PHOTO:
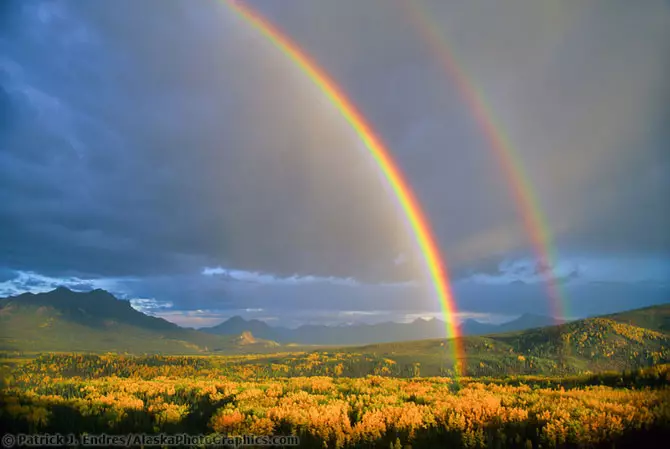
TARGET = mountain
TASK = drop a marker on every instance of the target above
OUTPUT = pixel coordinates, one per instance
(527, 321)
(474, 327)
(94, 308)
(237, 325)
(355, 334)
(96, 321)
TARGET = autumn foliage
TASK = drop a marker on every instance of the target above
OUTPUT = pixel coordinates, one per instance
(114, 394)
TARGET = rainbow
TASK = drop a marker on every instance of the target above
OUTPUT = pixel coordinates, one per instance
(512, 166)
(381, 156)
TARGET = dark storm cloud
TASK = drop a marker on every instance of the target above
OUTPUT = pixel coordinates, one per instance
(141, 142)
(7, 275)
(160, 152)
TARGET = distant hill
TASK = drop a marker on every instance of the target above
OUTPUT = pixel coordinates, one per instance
(63, 320)
(419, 329)
(592, 344)
(654, 317)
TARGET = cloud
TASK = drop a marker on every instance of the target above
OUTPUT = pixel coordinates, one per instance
(527, 271)
(133, 156)
(149, 305)
(304, 175)
(207, 271)
(13, 283)
(263, 278)
(585, 122)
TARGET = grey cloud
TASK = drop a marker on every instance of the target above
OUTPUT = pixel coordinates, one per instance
(7, 274)
(586, 121)
(175, 159)
(145, 145)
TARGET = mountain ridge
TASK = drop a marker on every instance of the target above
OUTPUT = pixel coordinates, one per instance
(363, 333)
(65, 320)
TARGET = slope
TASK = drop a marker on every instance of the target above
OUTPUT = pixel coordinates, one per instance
(593, 344)
(655, 317)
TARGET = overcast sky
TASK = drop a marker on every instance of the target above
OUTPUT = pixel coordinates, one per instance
(165, 151)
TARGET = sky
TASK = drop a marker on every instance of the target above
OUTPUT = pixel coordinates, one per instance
(164, 151)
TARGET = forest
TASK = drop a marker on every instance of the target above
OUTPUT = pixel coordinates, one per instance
(313, 396)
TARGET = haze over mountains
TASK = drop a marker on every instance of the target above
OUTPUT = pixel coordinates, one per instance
(100, 310)
(99, 315)
(353, 334)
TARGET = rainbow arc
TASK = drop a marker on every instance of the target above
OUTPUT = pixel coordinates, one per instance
(508, 158)
(407, 201)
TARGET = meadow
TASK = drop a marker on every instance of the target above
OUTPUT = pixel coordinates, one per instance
(315, 396)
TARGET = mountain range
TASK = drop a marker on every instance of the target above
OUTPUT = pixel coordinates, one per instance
(95, 321)
(356, 334)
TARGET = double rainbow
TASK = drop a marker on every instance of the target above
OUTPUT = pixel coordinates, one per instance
(508, 158)
(381, 156)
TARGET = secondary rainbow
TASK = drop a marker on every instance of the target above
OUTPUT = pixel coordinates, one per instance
(408, 203)
(512, 166)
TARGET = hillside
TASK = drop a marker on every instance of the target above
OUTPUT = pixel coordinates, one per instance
(593, 344)
(63, 320)
(655, 317)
